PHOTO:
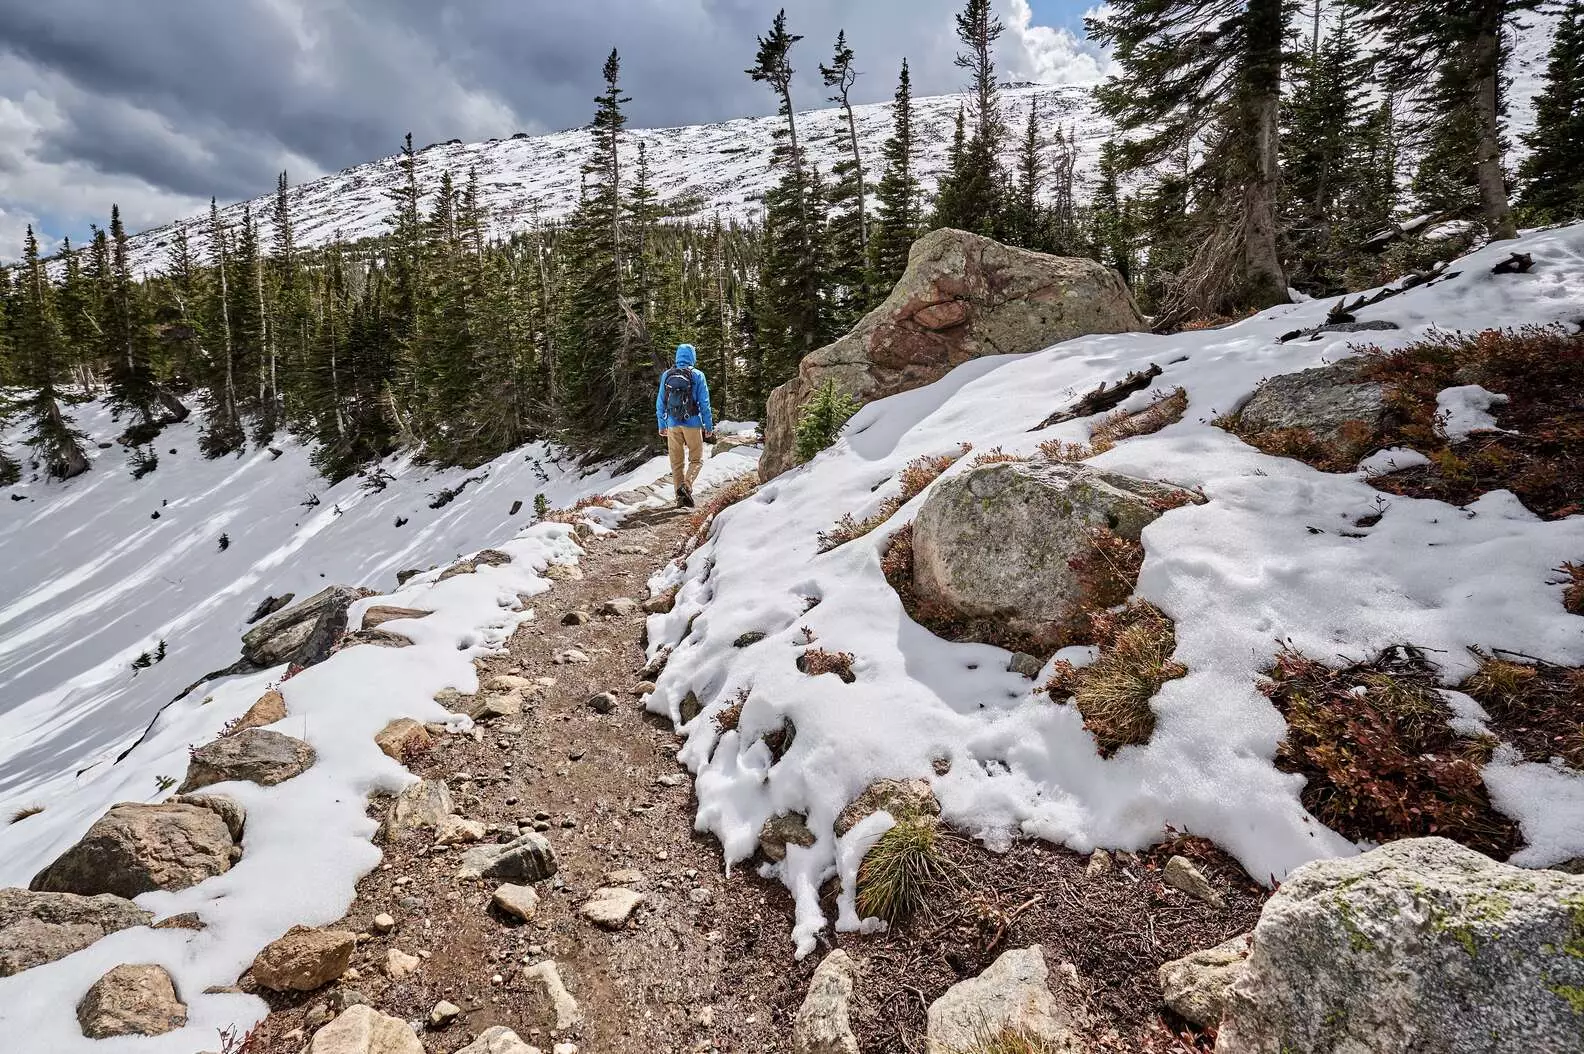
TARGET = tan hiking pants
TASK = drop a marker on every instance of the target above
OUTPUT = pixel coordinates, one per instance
(681, 440)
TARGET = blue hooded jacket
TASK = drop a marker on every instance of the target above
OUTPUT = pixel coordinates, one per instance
(686, 356)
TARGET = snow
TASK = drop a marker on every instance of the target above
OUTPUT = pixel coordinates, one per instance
(1465, 409)
(1274, 556)
(89, 581)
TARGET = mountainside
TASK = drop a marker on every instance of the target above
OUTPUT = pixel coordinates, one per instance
(725, 166)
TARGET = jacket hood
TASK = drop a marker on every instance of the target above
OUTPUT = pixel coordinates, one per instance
(685, 355)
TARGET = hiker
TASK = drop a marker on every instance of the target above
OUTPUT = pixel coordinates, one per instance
(683, 409)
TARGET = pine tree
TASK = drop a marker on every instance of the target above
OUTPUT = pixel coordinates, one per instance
(848, 197)
(970, 196)
(134, 390)
(1207, 73)
(41, 356)
(1026, 224)
(223, 432)
(1112, 242)
(1552, 176)
(898, 193)
(1448, 55)
(289, 335)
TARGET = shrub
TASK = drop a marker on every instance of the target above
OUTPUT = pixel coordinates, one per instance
(143, 461)
(995, 457)
(729, 718)
(904, 870)
(1113, 693)
(816, 661)
(1010, 1041)
(23, 813)
(720, 499)
(1536, 707)
(1573, 595)
(1381, 762)
(821, 419)
(912, 481)
(541, 506)
(1167, 408)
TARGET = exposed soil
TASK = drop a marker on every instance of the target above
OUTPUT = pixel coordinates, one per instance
(706, 962)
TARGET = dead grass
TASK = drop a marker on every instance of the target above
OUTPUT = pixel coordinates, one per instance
(1536, 707)
(1573, 595)
(996, 456)
(816, 661)
(919, 474)
(23, 813)
(1167, 408)
(1381, 762)
(1010, 1041)
(571, 514)
(729, 718)
(905, 871)
(720, 499)
(1113, 693)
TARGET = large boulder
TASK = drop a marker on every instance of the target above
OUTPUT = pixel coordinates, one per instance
(1419, 946)
(136, 848)
(1010, 999)
(304, 633)
(255, 755)
(131, 1000)
(996, 542)
(39, 928)
(961, 297)
(1321, 401)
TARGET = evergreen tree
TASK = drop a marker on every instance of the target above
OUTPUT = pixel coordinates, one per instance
(1552, 176)
(1207, 74)
(898, 193)
(1448, 55)
(134, 390)
(970, 196)
(41, 357)
(223, 432)
(848, 197)
(1112, 241)
(1026, 224)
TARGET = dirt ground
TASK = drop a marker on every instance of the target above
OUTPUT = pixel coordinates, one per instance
(706, 963)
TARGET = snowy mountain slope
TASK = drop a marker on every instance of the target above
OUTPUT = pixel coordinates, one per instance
(1264, 560)
(527, 181)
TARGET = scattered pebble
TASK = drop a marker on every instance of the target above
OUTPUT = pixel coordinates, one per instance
(384, 923)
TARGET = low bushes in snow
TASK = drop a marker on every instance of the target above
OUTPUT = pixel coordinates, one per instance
(1113, 693)
(1537, 708)
(1167, 408)
(919, 474)
(1573, 595)
(905, 870)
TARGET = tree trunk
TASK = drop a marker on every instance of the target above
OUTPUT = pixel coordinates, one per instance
(1485, 77)
(1264, 282)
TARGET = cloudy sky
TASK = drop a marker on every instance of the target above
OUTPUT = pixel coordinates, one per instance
(158, 104)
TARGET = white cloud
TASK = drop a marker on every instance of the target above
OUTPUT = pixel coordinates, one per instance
(1049, 54)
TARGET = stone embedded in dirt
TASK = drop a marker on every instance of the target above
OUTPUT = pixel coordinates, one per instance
(498, 1040)
(361, 1029)
(997, 541)
(1320, 401)
(570, 657)
(403, 739)
(1099, 863)
(39, 928)
(255, 756)
(384, 923)
(962, 296)
(444, 1013)
(1418, 945)
(1195, 986)
(823, 1024)
(304, 959)
(549, 992)
(789, 828)
(1027, 665)
(529, 858)
(399, 965)
(377, 616)
(660, 605)
(900, 798)
(454, 830)
(424, 804)
(749, 639)
(507, 682)
(627, 876)
(131, 1000)
(1181, 874)
(520, 902)
(690, 707)
(603, 703)
(270, 708)
(644, 688)
(619, 607)
(305, 633)
(564, 573)
(576, 618)
(496, 705)
(136, 848)
(611, 906)
(1012, 995)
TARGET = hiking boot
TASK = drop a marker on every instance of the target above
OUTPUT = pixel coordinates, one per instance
(687, 497)
(681, 497)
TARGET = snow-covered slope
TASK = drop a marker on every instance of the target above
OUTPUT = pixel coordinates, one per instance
(527, 181)
(1264, 560)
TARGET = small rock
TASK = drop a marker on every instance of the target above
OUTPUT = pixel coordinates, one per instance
(403, 739)
(399, 965)
(564, 573)
(384, 923)
(270, 708)
(529, 858)
(576, 618)
(1181, 874)
(507, 682)
(611, 907)
(780, 831)
(256, 755)
(304, 959)
(548, 990)
(1028, 665)
(660, 605)
(625, 877)
(748, 640)
(443, 1014)
(131, 1000)
(318, 1014)
(1099, 863)
(496, 704)
(620, 607)
(603, 703)
(423, 805)
(187, 920)
(901, 798)
(1012, 995)
(1196, 985)
(363, 1030)
(520, 902)
(570, 657)
(823, 1024)
(643, 688)
(454, 830)
(670, 779)
(498, 1040)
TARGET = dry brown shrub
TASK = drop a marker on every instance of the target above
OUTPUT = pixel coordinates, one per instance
(1113, 693)
(919, 474)
(816, 661)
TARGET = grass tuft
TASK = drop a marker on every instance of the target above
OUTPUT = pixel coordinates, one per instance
(905, 870)
(1010, 1040)
(1113, 693)
(919, 474)
(1167, 408)
(996, 456)
(1538, 708)
(23, 813)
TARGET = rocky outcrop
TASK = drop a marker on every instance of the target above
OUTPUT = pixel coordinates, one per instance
(1195, 986)
(1320, 401)
(131, 1000)
(39, 928)
(900, 798)
(304, 959)
(1420, 945)
(136, 848)
(823, 1024)
(303, 634)
(270, 708)
(996, 542)
(1011, 998)
(256, 755)
(363, 1030)
(961, 297)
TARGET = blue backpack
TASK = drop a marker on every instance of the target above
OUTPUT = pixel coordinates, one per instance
(679, 402)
